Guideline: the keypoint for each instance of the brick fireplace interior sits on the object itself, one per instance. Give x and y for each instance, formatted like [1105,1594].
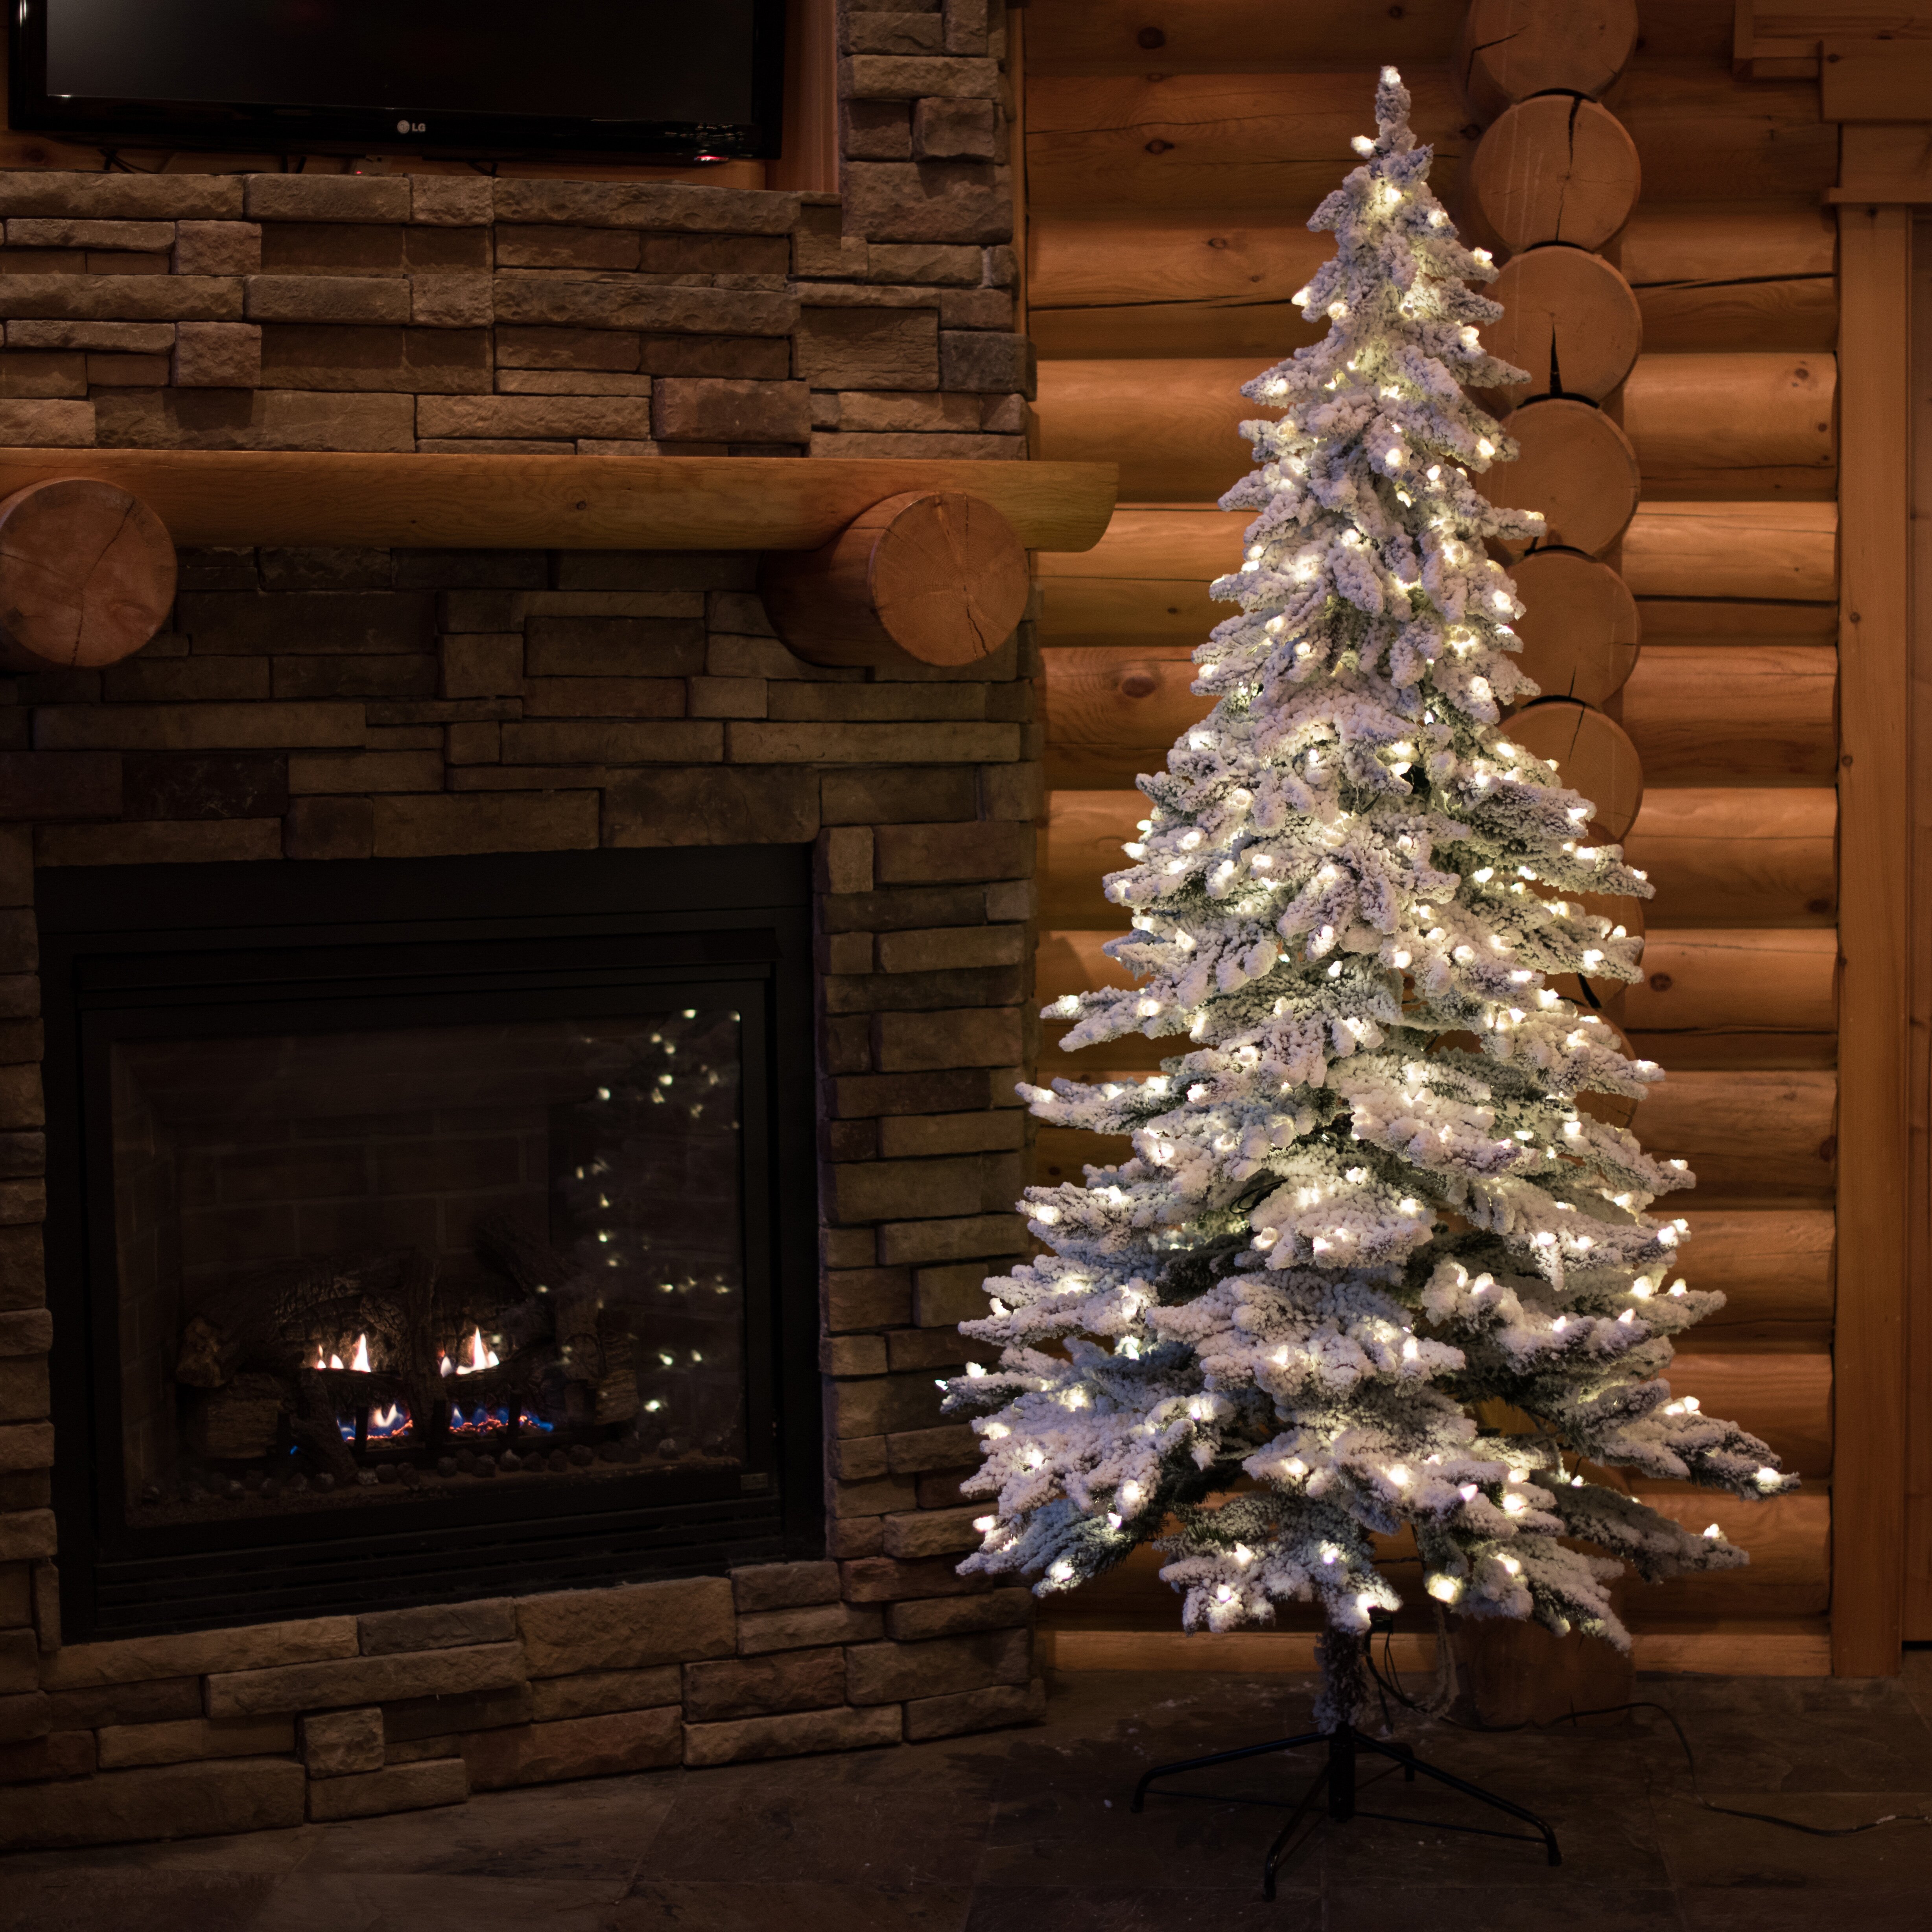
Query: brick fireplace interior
[716,1517]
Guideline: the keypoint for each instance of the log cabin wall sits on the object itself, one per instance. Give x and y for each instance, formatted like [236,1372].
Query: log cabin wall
[1172,155]
[306,703]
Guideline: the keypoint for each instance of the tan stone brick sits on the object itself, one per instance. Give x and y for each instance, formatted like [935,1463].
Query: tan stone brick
[852,1355]
[597,1747]
[613,742]
[783,1586]
[674,208]
[216,356]
[156,1701]
[959,1616]
[748,1739]
[937,446]
[535,297]
[23,1398]
[451,301]
[940,1349]
[307,197]
[188,1740]
[931,201]
[882,1405]
[151,237]
[955,130]
[121,298]
[850,1536]
[366,772]
[183,1801]
[196,1653]
[875,1496]
[25,1331]
[906,411]
[917,1241]
[51,376]
[338,1742]
[39,1760]
[884,1190]
[627,1626]
[451,201]
[755,742]
[965,1711]
[728,696]
[364,1680]
[954,854]
[800,701]
[938,948]
[46,1606]
[720,805]
[897,76]
[325,298]
[410,825]
[605,699]
[19,1662]
[193,727]
[950,1446]
[420,1717]
[483,665]
[398,1787]
[887,1672]
[59,194]
[886,1579]
[904,1137]
[568,416]
[481,744]
[801,1680]
[862,349]
[264,418]
[933,1532]
[58,425]
[866,1298]
[24,1714]
[111,337]
[437,1626]
[26,1445]
[970,1036]
[217,248]
[722,409]
[594,1694]
[192,843]
[844,858]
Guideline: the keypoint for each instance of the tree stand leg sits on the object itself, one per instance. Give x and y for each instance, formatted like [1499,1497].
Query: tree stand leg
[1337,1779]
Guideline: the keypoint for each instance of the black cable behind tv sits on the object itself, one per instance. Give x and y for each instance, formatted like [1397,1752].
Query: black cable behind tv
[663,80]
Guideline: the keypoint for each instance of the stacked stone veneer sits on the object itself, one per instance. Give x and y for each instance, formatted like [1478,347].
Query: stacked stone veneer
[444,313]
[307,706]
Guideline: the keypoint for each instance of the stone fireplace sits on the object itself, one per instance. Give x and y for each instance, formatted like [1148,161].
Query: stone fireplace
[335,1045]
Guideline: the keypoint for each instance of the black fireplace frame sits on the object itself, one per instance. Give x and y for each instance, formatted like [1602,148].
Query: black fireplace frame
[129,947]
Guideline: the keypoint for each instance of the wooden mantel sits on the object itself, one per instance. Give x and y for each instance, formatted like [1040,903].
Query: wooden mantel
[407,501]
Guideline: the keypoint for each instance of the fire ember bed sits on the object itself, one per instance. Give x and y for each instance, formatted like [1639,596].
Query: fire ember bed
[397,1229]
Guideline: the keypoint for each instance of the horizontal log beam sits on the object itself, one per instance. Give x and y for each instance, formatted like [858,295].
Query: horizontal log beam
[1703,573]
[1727,427]
[1738,855]
[408,501]
[1773,1265]
[1714,980]
[1238,138]
[1790,1574]
[1749,1137]
[1748,714]
[1223,36]
[1726,714]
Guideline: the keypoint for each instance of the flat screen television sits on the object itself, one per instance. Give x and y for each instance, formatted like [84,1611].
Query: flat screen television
[660,79]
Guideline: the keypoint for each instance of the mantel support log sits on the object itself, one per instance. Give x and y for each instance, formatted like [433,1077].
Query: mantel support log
[87,575]
[927,576]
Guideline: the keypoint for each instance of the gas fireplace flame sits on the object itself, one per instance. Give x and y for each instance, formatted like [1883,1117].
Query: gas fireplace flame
[475,1357]
[360,1365]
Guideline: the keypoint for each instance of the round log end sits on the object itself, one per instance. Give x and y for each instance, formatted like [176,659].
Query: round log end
[87,575]
[1514,48]
[1579,627]
[1594,756]
[1577,466]
[930,577]
[1569,319]
[1555,169]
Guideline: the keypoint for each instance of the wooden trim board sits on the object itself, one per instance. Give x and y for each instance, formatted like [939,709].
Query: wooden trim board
[1742,1651]
[410,501]
[1874,924]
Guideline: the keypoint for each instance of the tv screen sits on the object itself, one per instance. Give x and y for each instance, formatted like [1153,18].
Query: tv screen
[652,78]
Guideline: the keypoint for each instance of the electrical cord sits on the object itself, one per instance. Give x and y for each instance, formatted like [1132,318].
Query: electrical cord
[1391,1686]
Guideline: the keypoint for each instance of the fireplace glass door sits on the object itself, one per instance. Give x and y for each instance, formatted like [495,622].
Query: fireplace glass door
[460,1242]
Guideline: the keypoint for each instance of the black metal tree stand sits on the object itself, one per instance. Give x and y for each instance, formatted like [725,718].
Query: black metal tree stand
[1344,1657]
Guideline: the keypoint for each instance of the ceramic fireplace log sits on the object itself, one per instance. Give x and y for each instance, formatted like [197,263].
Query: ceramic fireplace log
[87,575]
[928,577]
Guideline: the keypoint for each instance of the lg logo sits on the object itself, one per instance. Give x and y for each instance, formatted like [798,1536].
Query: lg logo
[412,126]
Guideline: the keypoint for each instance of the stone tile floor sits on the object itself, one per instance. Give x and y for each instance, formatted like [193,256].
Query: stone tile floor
[1025,1829]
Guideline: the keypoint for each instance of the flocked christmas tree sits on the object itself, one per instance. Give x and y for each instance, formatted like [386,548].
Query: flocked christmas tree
[1364,1206]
